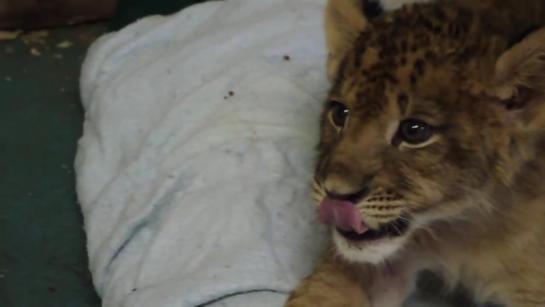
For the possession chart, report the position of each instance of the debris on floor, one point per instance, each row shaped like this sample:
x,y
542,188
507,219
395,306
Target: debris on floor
x,y
35,51
64,44
9,35
35,37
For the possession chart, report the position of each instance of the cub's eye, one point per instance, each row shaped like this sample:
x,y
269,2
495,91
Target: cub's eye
x,y
414,131
338,113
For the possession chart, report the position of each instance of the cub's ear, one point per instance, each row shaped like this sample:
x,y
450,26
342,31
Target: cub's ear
x,y
344,21
520,81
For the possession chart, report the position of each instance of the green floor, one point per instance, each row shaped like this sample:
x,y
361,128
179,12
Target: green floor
x,y
42,244
42,255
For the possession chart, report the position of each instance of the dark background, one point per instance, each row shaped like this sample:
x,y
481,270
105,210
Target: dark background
x,y
43,260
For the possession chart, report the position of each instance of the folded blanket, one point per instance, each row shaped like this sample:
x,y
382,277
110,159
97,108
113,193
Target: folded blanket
x,y
197,151
194,165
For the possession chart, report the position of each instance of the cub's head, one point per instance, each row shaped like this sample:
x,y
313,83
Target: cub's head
x,y
431,114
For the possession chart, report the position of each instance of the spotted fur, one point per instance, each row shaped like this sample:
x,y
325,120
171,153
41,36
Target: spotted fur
x,y
474,192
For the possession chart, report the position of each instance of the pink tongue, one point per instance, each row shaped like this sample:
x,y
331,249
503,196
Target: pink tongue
x,y
343,215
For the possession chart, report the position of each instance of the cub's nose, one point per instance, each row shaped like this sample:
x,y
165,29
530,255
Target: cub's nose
x,y
339,188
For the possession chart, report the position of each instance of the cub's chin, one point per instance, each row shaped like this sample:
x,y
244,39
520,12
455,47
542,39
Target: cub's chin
x,y
373,246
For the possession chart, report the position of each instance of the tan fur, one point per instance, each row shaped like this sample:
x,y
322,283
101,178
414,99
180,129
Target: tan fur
x,y
475,192
343,23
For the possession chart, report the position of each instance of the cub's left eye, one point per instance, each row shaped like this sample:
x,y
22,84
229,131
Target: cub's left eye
x,y
338,114
414,131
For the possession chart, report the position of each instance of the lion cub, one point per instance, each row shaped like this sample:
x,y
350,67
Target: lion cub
x,y
432,153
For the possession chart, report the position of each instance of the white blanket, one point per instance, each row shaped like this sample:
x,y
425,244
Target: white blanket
x,y
198,147
197,151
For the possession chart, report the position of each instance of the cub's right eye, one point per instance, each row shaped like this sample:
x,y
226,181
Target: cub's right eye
x,y
338,114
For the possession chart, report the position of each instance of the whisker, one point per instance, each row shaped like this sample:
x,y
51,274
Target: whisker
x,y
431,232
397,229
404,219
317,192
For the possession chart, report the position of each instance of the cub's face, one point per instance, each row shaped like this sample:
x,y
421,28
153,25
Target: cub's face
x,y
406,140
405,155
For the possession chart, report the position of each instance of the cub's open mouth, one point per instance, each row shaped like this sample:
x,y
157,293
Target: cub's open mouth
x,y
393,229
347,220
